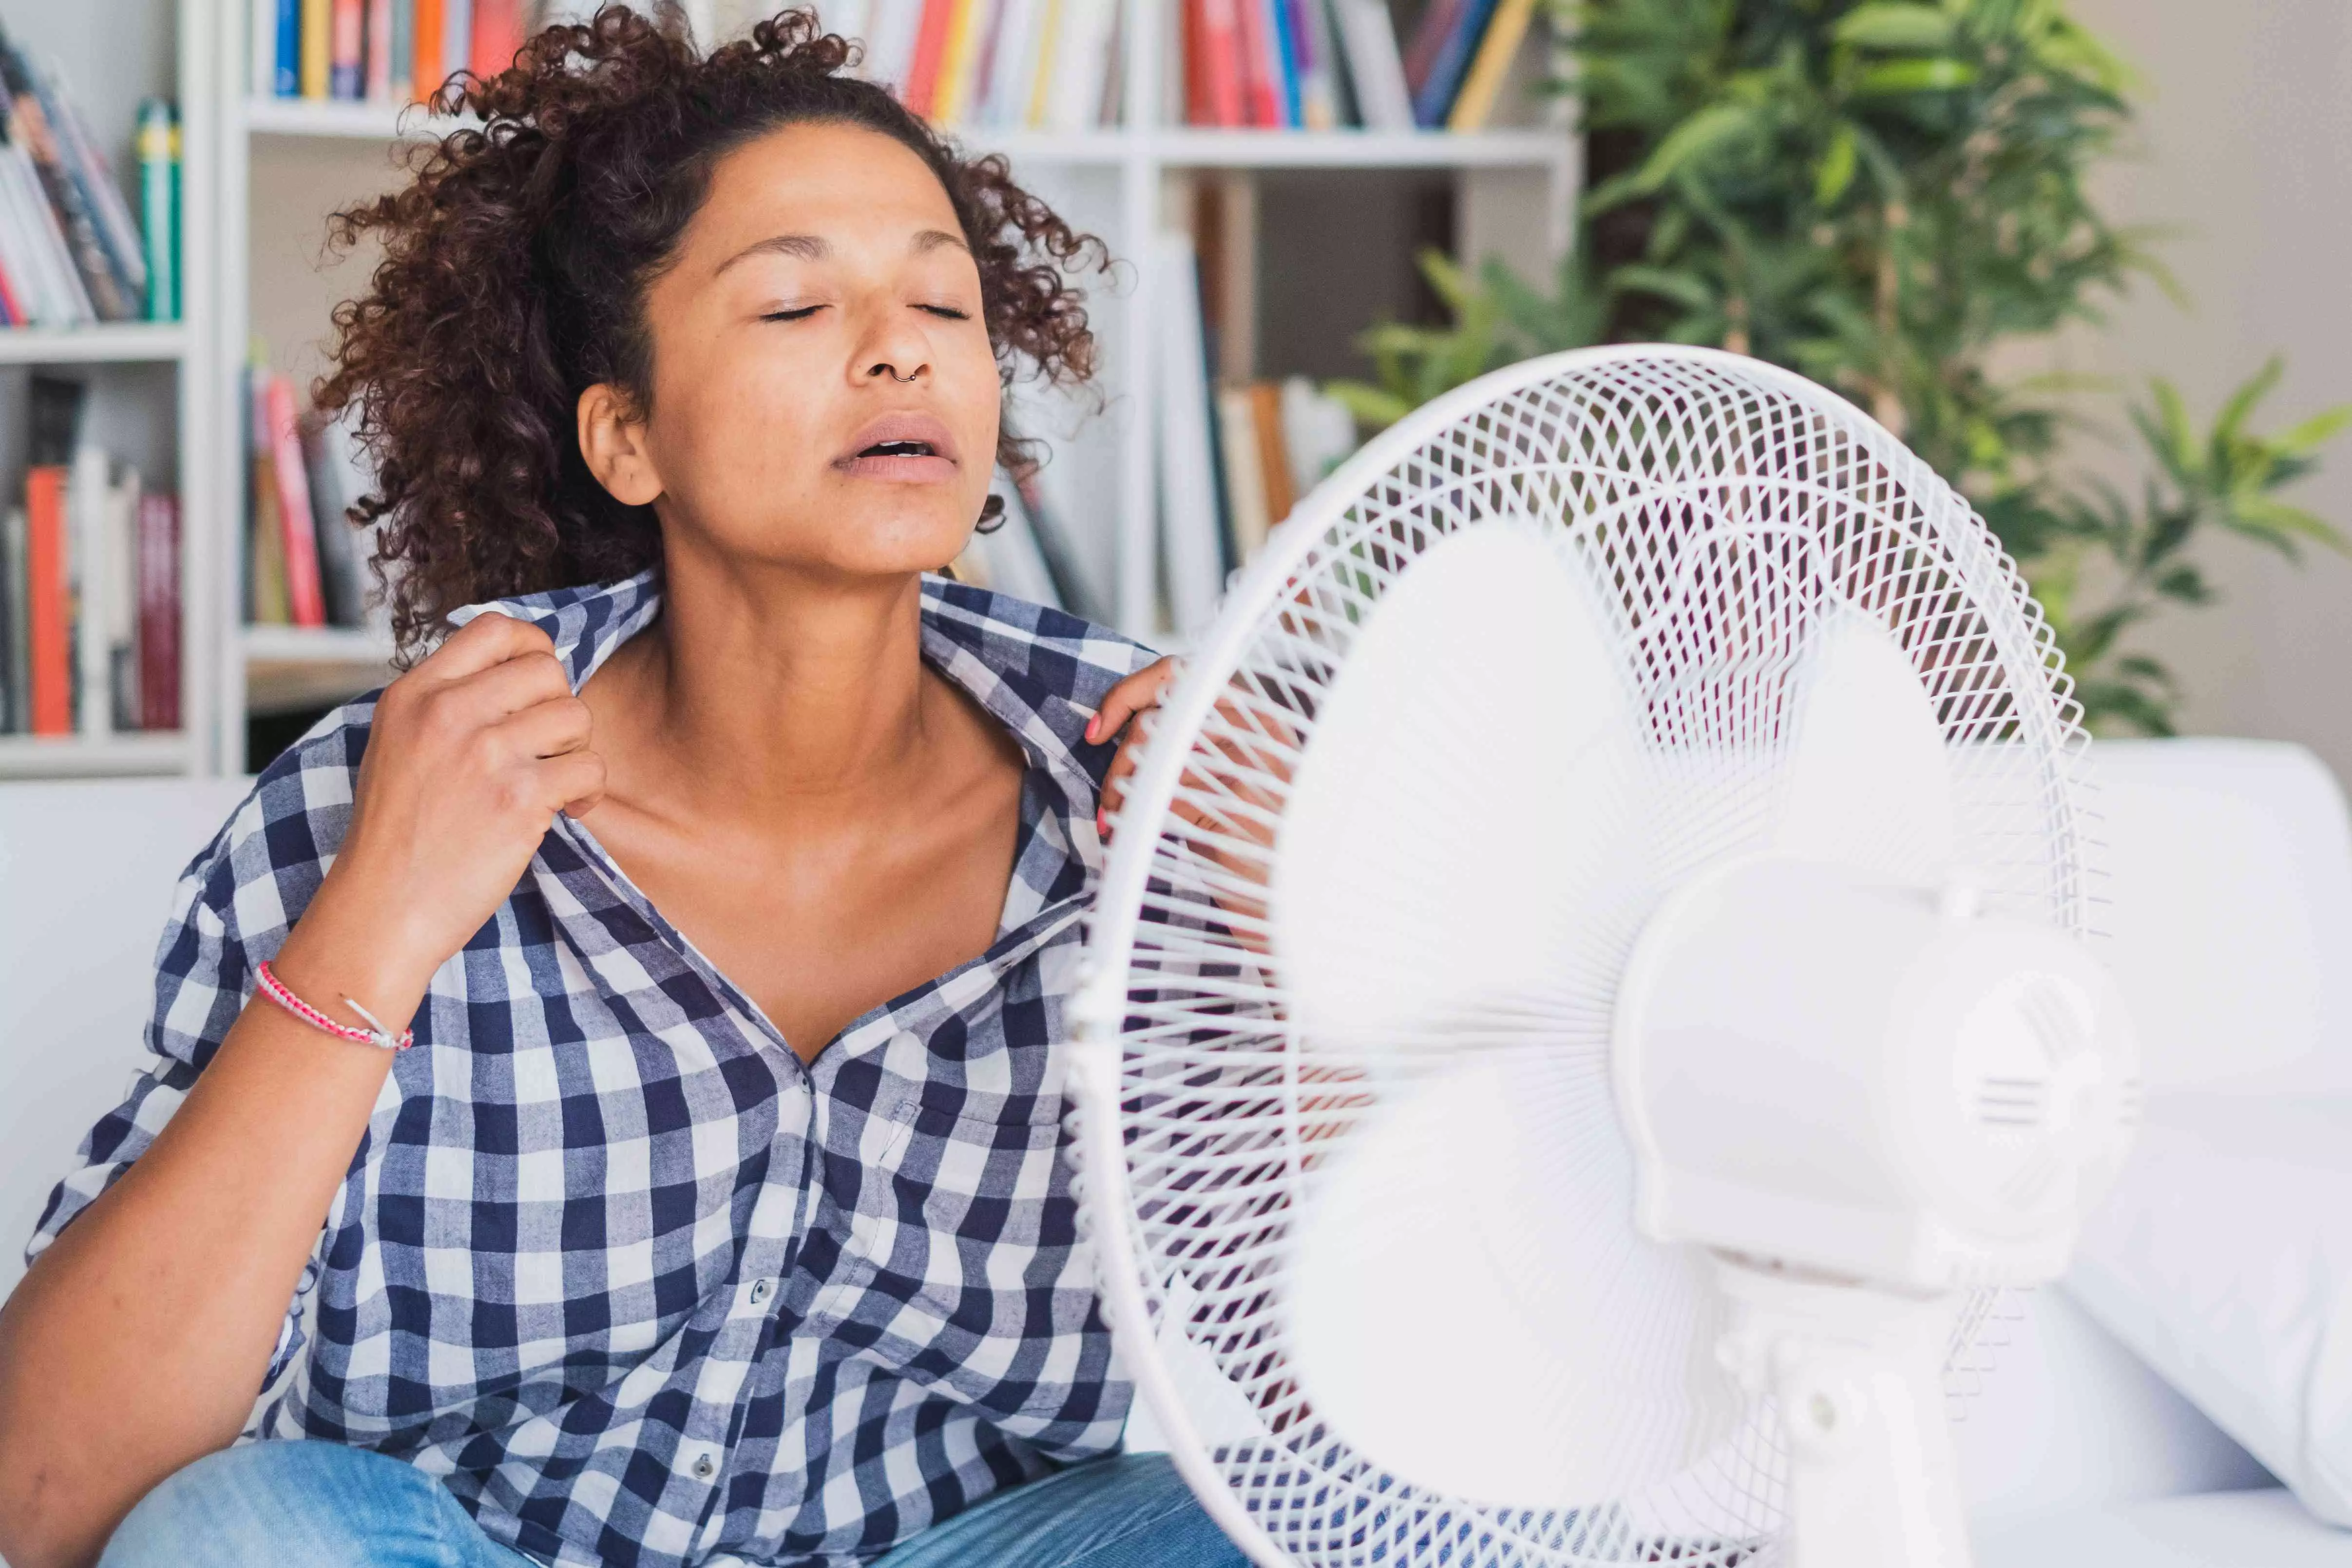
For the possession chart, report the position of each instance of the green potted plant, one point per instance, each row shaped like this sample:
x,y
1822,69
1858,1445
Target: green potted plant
x,y
1880,195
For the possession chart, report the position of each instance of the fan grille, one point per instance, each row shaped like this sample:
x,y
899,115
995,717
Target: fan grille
x,y
1726,506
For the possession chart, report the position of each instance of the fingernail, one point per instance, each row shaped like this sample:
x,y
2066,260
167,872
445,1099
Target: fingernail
x,y
1092,725
1102,823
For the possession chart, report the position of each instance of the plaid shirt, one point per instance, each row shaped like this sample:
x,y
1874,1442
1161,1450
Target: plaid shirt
x,y
639,1286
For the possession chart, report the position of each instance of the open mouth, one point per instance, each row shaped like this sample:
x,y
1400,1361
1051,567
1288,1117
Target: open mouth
x,y
899,450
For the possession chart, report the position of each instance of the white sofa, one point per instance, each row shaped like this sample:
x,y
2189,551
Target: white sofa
x,y
2232,931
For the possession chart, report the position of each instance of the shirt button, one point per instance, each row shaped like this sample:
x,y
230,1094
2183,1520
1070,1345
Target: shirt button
x,y
761,1290
705,1466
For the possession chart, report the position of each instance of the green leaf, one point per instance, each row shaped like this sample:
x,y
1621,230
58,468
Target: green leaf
x,y
1693,139
1693,293
1372,406
2316,431
1938,75
2276,523
2242,402
1835,171
1918,29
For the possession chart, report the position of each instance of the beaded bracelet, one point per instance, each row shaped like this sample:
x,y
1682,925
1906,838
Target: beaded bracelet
x,y
275,989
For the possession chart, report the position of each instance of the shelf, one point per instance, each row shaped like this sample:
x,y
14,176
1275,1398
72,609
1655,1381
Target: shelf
x,y
117,342
314,645
1179,145
342,118
1201,147
87,756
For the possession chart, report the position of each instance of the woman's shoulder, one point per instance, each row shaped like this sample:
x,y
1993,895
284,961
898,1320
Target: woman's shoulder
x,y
1061,655
274,849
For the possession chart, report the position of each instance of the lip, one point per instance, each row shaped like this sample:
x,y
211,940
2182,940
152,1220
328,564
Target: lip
x,y
903,425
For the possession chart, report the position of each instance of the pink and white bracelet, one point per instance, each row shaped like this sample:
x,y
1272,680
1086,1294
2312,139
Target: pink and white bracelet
x,y
275,989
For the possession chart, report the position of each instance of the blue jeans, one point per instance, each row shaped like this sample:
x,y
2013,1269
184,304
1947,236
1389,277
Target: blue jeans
x,y
287,1504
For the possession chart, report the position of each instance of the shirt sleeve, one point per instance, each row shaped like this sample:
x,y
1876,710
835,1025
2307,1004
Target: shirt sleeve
x,y
231,910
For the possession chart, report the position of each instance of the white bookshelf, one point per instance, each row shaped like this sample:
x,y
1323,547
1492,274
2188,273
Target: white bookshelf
x,y
151,384
1515,188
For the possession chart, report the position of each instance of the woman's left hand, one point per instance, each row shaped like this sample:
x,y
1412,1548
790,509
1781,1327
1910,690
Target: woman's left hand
x,y
1138,694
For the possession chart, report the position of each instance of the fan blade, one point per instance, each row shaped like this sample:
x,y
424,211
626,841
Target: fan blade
x,y
1469,1309
1400,909
1868,781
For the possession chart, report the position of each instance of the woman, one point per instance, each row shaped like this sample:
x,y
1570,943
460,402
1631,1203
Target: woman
x,y
726,868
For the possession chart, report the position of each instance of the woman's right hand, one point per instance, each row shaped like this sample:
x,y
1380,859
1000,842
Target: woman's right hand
x,y
469,757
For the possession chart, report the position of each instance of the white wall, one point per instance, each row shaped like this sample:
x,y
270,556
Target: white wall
x,y
2245,143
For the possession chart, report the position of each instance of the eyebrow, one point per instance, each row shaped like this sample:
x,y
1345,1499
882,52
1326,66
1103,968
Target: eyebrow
x,y
816,247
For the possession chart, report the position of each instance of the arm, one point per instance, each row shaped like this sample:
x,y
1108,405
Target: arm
x,y
135,1344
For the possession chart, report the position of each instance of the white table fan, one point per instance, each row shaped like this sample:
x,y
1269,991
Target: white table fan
x,y
1586,1004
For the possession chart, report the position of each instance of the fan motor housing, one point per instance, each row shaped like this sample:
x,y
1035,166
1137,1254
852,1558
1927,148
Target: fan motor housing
x,y
1823,1068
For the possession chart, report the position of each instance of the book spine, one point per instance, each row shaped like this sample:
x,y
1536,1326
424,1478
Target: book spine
x,y
306,601
1244,476
930,40
86,580
425,68
65,302
12,566
1285,62
458,36
1272,454
1474,104
497,35
286,70
159,207
1445,72
347,50
378,71
1437,22
93,175
11,304
1261,94
1221,31
980,106
69,207
158,612
318,48
51,647
122,600
964,23
401,49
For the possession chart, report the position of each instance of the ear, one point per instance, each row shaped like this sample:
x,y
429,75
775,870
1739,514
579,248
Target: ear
x,y
613,441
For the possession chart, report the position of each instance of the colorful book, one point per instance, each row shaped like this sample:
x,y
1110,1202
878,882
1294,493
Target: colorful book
x,y
957,57
318,48
86,579
347,50
1285,61
305,598
426,68
77,223
158,146
1222,39
16,689
338,479
378,71
93,177
1436,24
48,621
497,35
1375,71
1474,104
285,71
158,635
1451,64
1261,93
401,49
457,35
1244,472
930,44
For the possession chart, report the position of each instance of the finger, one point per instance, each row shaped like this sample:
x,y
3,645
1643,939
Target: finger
x,y
547,728
524,681
572,782
487,639
1129,697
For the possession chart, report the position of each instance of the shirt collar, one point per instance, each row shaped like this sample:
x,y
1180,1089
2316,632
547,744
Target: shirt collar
x,y
993,647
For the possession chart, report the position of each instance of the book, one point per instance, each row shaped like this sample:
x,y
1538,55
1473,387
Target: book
x,y
457,36
1070,589
1273,456
1319,432
1311,41
77,222
92,174
108,600
1346,108
991,38
158,597
377,88
1436,23
286,55
305,596
1082,65
400,49
318,37
1285,62
427,70
1223,68
15,672
1261,93
1375,69
85,557
1475,103
1192,549
347,50
923,65
1451,64
158,147
496,36
56,418
1040,108
338,478
892,31
957,57
62,300
1245,471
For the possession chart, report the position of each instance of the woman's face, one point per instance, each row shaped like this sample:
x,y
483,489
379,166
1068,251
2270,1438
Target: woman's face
x,y
823,301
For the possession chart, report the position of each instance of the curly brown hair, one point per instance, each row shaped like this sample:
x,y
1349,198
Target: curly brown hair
x,y
514,267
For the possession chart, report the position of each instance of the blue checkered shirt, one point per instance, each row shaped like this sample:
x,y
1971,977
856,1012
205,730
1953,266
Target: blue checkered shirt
x,y
636,1283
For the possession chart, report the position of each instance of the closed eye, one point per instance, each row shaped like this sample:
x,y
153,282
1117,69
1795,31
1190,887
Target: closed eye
x,y
949,312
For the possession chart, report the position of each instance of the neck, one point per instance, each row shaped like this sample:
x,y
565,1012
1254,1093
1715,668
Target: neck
x,y
767,687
